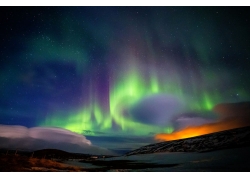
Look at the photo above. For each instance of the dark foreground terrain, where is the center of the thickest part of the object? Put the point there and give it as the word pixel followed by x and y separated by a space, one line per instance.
pixel 226 151
pixel 226 160
pixel 17 163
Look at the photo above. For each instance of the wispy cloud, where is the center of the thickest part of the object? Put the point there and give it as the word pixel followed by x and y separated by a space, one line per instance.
pixel 41 138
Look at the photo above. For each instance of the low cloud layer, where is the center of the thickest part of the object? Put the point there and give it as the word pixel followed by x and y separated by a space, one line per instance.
pixel 13 131
pixel 20 137
pixel 232 109
pixel 191 131
pixel 185 121
pixel 231 115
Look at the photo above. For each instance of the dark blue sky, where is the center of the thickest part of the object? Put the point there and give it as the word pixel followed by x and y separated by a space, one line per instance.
pixel 98 69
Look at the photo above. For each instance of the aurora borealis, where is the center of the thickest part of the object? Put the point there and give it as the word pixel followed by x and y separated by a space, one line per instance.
pixel 121 71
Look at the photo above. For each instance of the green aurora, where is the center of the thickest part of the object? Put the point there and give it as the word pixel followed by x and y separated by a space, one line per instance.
pixel 129 88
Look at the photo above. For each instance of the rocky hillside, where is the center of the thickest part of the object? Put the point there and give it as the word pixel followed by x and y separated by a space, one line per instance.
pixel 220 140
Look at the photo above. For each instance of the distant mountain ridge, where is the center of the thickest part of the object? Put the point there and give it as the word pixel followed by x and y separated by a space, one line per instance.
pixel 233 138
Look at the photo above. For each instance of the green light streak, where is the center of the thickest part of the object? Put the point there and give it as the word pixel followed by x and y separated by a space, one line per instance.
pixel 125 91
pixel 207 102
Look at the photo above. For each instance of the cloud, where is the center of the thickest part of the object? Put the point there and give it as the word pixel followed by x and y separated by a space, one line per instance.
pixel 192 131
pixel 36 138
pixel 183 122
pixel 233 109
pixel 156 109
pixel 13 131
pixel 232 115
pixel 57 135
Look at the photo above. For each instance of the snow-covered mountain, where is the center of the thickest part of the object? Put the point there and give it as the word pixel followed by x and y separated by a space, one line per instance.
pixel 233 138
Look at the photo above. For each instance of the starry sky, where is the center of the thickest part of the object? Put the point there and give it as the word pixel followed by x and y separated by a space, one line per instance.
pixel 110 72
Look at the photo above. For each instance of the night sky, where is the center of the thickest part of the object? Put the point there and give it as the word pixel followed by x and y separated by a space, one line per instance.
pixel 131 72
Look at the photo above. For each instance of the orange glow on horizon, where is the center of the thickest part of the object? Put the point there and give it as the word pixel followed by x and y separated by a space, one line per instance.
pixel 203 129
